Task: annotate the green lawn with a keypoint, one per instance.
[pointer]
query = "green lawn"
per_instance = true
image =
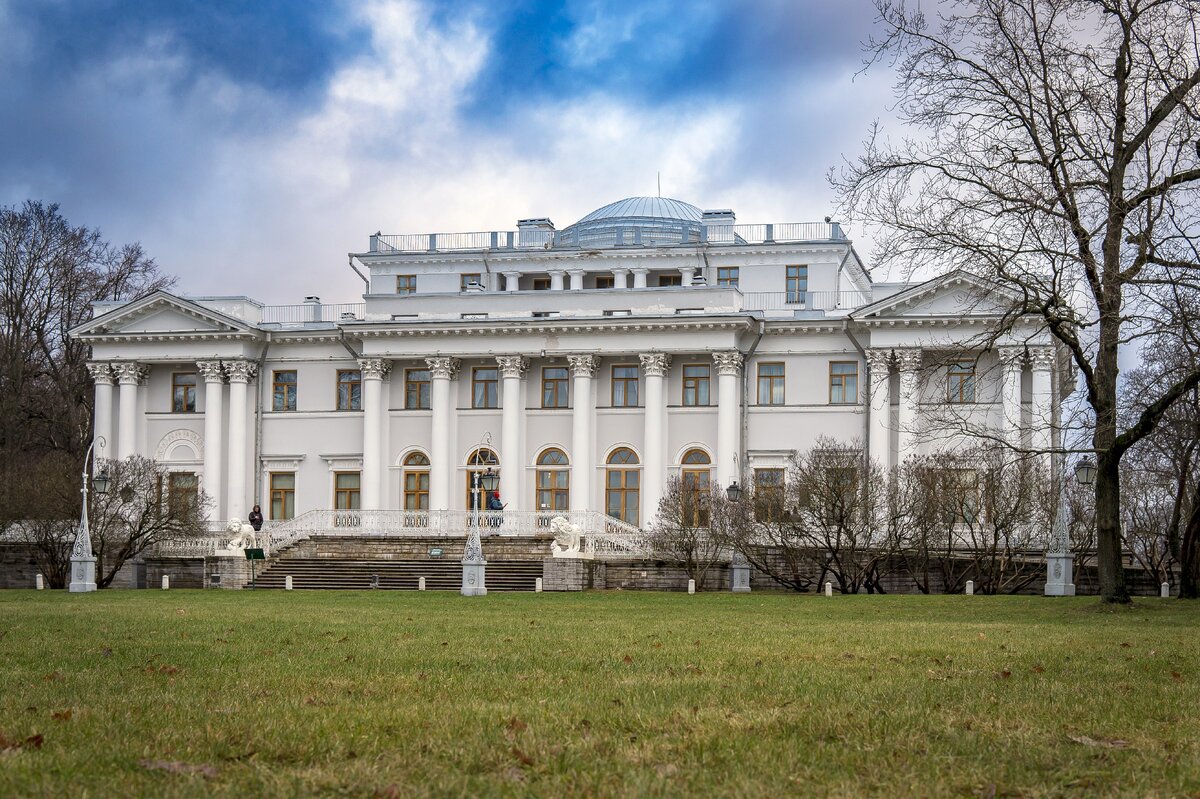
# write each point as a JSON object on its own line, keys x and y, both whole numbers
{"x": 599, "y": 694}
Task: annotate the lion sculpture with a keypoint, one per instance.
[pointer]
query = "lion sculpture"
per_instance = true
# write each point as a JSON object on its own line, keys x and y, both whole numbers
{"x": 244, "y": 537}
{"x": 566, "y": 538}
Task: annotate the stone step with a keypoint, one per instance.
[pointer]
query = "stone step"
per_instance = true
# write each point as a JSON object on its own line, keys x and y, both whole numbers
{"x": 333, "y": 573}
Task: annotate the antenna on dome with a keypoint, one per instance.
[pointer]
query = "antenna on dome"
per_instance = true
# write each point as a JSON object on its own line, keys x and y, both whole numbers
{"x": 659, "y": 184}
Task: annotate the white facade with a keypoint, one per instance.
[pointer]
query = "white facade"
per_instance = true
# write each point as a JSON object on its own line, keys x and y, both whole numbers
{"x": 659, "y": 370}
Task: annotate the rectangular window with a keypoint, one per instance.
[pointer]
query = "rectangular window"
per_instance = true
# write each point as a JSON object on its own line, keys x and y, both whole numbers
{"x": 416, "y": 389}
{"x": 545, "y": 314}
{"x": 283, "y": 390}
{"x": 183, "y": 392}
{"x": 624, "y": 386}
{"x": 346, "y": 490}
{"x": 349, "y": 390}
{"x": 797, "y": 283}
{"x": 182, "y": 491}
{"x": 541, "y": 284}
{"x": 625, "y": 312}
{"x": 960, "y": 490}
{"x": 727, "y": 276}
{"x": 843, "y": 382}
{"x": 960, "y": 382}
{"x": 670, "y": 280}
{"x": 554, "y": 387}
{"x": 768, "y": 495}
{"x": 466, "y": 279}
{"x": 484, "y": 393}
{"x": 605, "y": 281}
{"x": 695, "y": 384}
{"x": 406, "y": 284}
{"x": 770, "y": 384}
{"x": 283, "y": 495}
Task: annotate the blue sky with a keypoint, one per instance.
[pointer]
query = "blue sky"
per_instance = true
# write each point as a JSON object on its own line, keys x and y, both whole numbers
{"x": 250, "y": 146}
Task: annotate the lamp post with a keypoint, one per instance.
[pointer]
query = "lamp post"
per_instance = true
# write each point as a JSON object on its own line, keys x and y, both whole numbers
{"x": 473, "y": 563}
{"x": 739, "y": 567}
{"x": 1059, "y": 560}
{"x": 83, "y": 563}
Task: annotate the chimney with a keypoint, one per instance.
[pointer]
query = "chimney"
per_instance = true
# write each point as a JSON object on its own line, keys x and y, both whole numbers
{"x": 314, "y": 309}
{"x": 537, "y": 232}
{"x": 718, "y": 224}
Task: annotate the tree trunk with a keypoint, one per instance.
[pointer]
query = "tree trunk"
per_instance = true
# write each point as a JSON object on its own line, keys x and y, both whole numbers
{"x": 1109, "y": 568}
{"x": 1189, "y": 553}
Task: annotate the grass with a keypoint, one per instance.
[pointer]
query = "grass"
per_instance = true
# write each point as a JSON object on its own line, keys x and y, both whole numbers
{"x": 214, "y": 693}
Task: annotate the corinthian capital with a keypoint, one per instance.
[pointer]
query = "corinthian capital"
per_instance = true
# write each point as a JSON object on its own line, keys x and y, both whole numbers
{"x": 442, "y": 367}
{"x": 879, "y": 362}
{"x": 374, "y": 368}
{"x": 512, "y": 365}
{"x": 101, "y": 372}
{"x": 1041, "y": 358}
{"x": 1011, "y": 357}
{"x": 728, "y": 362}
{"x": 655, "y": 364}
{"x": 583, "y": 365}
{"x": 211, "y": 371}
{"x": 908, "y": 359}
{"x": 241, "y": 371}
{"x": 130, "y": 373}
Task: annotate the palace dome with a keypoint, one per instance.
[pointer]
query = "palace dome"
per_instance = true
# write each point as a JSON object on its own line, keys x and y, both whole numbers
{"x": 639, "y": 220}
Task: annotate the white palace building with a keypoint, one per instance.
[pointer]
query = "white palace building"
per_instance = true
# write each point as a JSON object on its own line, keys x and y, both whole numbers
{"x": 585, "y": 365}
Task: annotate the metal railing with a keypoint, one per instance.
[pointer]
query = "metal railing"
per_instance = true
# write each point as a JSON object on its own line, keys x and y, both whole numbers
{"x": 803, "y": 300}
{"x": 312, "y": 312}
{"x": 632, "y": 235}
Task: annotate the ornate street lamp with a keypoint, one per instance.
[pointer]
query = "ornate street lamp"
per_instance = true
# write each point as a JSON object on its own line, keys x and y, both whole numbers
{"x": 473, "y": 563}
{"x": 734, "y": 491}
{"x": 83, "y": 563}
{"x": 1085, "y": 471}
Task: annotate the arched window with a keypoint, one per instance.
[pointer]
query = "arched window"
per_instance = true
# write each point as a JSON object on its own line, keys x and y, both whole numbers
{"x": 696, "y": 476}
{"x": 416, "y": 481}
{"x": 623, "y": 486}
{"x": 479, "y": 462}
{"x": 553, "y": 494}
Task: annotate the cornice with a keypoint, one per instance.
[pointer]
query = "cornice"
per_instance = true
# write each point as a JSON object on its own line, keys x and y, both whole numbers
{"x": 521, "y": 327}
{"x": 181, "y": 335}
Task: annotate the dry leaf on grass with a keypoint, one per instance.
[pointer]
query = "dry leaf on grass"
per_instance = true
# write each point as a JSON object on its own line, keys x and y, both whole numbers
{"x": 179, "y": 767}
{"x": 1107, "y": 743}
{"x": 34, "y": 741}
{"x": 524, "y": 759}
{"x": 62, "y": 715}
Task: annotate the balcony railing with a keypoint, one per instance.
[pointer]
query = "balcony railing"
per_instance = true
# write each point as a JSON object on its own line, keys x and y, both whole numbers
{"x": 661, "y": 235}
{"x": 803, "y": 300}
{"x": 311, "y": 312}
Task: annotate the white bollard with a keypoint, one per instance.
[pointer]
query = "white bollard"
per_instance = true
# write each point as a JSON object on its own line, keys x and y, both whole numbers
{"x": 1164, "y": 590}
{"x": 420, "y": 583}
{"x": 828, "y": 589}
{"x": 166, "y": 582}
{"x": 537, "y": 585}
{"x": 691, "y": 586}
{"x": 970, "y": 587}
{"x": 287, "y": 583}
{"x": 41, "y": 583}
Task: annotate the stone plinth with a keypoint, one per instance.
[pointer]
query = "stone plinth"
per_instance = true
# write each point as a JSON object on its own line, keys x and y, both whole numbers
{"x": 234, "y": 570}
{"x": 572, "y": 574}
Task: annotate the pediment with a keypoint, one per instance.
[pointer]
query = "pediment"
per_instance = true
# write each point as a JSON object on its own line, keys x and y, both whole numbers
{"x": 958, "y": 294}
{"x": 160, "y": 313}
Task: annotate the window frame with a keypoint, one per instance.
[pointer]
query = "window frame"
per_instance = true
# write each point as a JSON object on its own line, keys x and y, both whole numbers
{"x": 841, "y": 382}
{"x": 561, "y": 387}
{"x": 418, "y": 469}
{"x": 624, "y": 468}
{"x": 286, "y": 495}
{"x": 410, "y": 288}
{"x": 666, "y": 281}
{"x": 422, "y": 392}
{"x": 782, "y": 381}
{"x": 541, "y": 284}
{"x": 696, "y": 381}
{"x": 469, "y": 277}
{"x": 963, "y": 373}
{"x": 769, "y": 497}
{"x": 353, "y": 495}
{"x": 181, "y": 499}
{"x": 731, "y": 276}
{"x": 560, "y": 486}
{"x": 795, "y": 283}
{"x": 609, "y": 281}
{"x": 625, "y": 383}
{"x": 176, "y": 385}
{"x": 350, "y": 393}
{"x": 276, "y": 384}
{"x": 492, "y": 394}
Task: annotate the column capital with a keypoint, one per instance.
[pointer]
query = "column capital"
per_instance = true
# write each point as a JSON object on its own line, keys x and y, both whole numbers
{"x": 211, "y": 371}
{"x": 442, "y": 367}
{"x": 640, "y": 270}
{"x": 583, "y": 365}
{"x": 1011, "y": 356}
{"x": 879, "y": 361}
{"x": 241, "y": 371}
{"x": 101, "y": 372}
{"x": 620, "y": 269}
{"x": 512, "y": 365}
{"x": 131, "y": 373}
{"x": 728, "y": 362}
{"x": 374, "y": 368}
{"x": 908, "y": 359}
{"x": 1041, "y": 358}
{"x": 655, "y": 364}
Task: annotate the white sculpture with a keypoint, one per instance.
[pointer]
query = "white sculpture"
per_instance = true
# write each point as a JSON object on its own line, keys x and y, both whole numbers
{"x": 244, "y": 537}
{"x": 566, "y": 538}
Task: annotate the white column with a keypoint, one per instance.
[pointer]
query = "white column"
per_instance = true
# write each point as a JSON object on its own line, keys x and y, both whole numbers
{"x": 556, "y": 280}
{"x": 373, "y": 370}
{"x": 129, "y": 376}
{"x": 686, "y": 274}
{"x": 1041, "y": 362}
{"x": 1012, "y": 362}
{"x": 576, "y": 279}
{"x": 214, "y": 426}
{"x": 512, "y": 281}
{"x": 620, "y": 278}
{"x": 103, "y": 375}
{"x": 908, "y": 363}
{"x": 512, "y": 462}
{"x": 240, "y": 374}
{"x": 729, "y": 367}
{"x": 583, "y": 368}
{"x": 879, "y": 363}
{"x": 654, "y": 470}
{"x": 639, "y": 277}
{"x": 441, "y": 467}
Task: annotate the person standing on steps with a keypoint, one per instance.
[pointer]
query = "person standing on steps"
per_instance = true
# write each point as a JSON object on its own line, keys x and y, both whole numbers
{"x": 495, "y": 508}
{"x": 256, "y": 519}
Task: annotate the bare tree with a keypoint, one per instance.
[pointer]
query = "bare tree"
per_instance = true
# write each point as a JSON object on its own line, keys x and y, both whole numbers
{"x": 1057, "y": 156}
{"x": 693, "y": 527}
{"x": 141, "y": 508}
{"x": 40, "y": 506}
